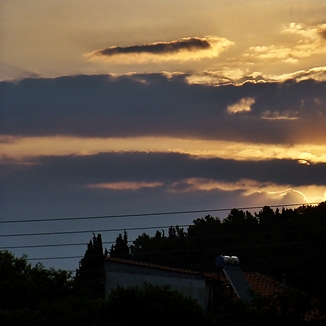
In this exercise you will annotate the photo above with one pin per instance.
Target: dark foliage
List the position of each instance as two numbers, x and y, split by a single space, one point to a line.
39 296
150 305
121 248
273 242
91 267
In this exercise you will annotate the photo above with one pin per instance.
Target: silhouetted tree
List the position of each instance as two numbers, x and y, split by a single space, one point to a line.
91 268
35 295
121 248
266 216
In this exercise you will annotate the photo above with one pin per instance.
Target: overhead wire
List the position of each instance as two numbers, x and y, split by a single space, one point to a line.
224 235
145 214
184 250
85 231
202 249
114 229
120 216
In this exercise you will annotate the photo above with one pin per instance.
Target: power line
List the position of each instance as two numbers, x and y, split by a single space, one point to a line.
201 249
224 235
145 214
54 258
121 229
133 229
50 245
186 250
85 231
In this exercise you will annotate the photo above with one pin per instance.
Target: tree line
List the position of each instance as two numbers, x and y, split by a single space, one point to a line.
290 242
272 242
34 295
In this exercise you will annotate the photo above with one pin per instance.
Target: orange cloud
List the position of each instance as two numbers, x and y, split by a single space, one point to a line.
244 105
18 148
276 115
310 41
249 188
238 77
122 185
304 162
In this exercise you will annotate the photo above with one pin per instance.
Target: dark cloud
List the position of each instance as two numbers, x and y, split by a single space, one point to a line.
38 197
157 105
188 44
168 168
57 187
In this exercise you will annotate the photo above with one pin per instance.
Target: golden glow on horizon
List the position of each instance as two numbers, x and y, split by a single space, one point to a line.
248 188
20 148
308 194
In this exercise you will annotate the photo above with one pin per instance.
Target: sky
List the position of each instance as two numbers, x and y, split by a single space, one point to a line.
124 110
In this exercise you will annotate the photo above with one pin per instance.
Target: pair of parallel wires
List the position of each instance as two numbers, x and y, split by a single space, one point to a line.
106 217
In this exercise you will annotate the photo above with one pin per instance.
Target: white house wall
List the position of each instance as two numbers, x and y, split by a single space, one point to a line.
126 276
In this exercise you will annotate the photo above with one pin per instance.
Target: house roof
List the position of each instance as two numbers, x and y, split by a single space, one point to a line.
153 266
259 283
262 284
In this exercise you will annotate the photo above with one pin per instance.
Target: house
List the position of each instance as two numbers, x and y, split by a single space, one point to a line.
133 273
203 287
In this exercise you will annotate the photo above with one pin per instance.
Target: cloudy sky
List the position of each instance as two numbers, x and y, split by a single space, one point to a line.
122 108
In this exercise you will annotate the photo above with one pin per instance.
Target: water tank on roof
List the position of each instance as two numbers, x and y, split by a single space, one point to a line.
232 270
231 260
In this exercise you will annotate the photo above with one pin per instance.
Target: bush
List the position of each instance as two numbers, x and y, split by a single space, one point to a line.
150 305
